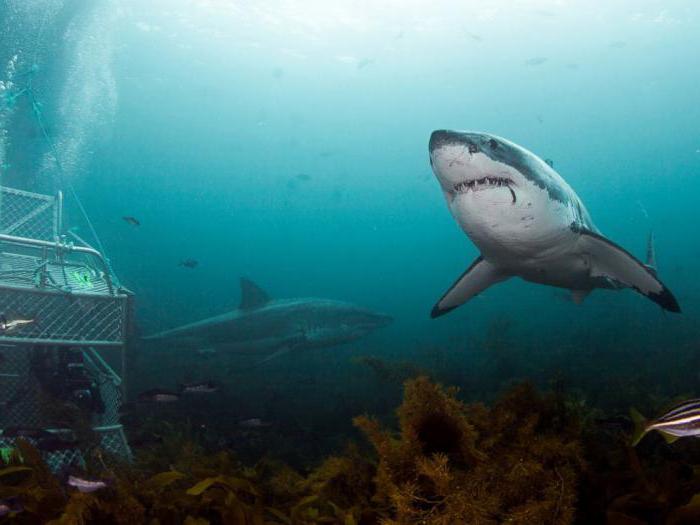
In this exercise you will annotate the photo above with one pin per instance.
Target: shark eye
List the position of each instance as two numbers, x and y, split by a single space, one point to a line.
493 144
473 148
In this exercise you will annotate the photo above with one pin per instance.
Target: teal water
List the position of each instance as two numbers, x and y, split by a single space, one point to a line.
198 118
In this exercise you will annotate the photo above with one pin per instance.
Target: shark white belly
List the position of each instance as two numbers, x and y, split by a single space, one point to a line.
527 222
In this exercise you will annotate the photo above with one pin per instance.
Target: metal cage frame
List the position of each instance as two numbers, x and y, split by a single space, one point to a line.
67 290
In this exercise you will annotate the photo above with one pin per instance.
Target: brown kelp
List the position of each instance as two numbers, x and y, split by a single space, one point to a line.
530 458
450 462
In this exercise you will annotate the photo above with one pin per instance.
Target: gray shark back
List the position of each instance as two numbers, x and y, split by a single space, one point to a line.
263 324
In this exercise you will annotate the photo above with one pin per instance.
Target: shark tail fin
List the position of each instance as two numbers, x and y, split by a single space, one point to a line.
640 426
252 296
614 264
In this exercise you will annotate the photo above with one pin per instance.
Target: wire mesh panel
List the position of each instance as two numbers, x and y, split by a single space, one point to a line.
109 383
31 400
19 389
21 266
63 318
111 440
30 215
57 301
56 460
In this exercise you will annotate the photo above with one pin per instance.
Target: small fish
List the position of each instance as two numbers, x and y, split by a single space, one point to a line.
303 176
549 162
205 351
254 423
683 420
203 387
364 63
189 263
86 485
10 325
131 220
617 44
10 506
535 61
157 395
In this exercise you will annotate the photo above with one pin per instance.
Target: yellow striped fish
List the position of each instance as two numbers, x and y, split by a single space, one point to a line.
683 420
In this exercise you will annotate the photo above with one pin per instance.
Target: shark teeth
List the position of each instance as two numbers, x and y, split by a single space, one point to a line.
485 182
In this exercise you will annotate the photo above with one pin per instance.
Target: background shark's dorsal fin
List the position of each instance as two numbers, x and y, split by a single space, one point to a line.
252 296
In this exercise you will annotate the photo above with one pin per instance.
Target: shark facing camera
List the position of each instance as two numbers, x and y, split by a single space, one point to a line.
528 222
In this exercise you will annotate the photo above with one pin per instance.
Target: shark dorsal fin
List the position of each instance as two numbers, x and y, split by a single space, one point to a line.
252 296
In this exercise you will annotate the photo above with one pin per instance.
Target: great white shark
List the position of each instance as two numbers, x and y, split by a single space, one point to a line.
265 326
527 222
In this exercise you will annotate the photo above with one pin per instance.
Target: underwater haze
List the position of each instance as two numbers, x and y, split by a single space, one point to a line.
286 142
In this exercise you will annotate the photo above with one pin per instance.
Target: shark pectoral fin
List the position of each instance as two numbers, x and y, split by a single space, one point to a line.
577 296
610 261
293 343
479 276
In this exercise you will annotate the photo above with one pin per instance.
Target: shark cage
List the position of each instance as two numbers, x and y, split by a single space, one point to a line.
63 317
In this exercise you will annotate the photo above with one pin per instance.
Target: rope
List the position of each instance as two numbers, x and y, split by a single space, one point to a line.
63 180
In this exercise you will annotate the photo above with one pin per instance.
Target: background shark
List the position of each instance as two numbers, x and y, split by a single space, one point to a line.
527 222
266 326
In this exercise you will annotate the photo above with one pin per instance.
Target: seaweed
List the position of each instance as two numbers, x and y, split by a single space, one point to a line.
528 458
450 462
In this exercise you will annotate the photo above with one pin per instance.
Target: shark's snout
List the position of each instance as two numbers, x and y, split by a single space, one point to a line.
442 137
473 142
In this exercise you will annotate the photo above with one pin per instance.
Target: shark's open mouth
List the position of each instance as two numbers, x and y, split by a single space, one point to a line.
484 183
